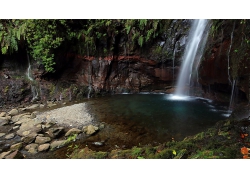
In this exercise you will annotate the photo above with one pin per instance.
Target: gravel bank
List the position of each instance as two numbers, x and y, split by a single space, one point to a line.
75 115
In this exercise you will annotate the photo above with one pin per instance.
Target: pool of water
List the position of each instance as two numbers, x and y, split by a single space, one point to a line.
159 118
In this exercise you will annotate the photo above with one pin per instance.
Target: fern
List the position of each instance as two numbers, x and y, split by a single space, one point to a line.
140 40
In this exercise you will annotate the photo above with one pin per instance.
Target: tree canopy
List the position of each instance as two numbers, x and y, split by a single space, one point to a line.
41 37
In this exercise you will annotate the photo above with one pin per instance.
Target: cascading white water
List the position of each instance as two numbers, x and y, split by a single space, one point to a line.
196 36
232 94
89 80
173 61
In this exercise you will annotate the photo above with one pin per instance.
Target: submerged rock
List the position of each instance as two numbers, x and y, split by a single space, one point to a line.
15 155
2 155
17 146
57 144
90 129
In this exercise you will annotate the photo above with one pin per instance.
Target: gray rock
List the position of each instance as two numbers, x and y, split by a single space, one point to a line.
43 147
32 107
2 114
29 138
49 124
32 148
33 145
19 116
57 144
10 136
17 146
101 126
2 155
6 118
15 127
2 134
4 122
13 112
73 131
23 120
15 155
6 147
90 129
32 151
42 140
55 132
33 115
31 126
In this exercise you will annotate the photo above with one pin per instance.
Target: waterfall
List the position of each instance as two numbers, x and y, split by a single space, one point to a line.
228 60
89 80
195 39
173 60
34 90
232 94
28 73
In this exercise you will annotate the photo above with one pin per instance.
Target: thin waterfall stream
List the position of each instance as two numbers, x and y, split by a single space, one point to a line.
34 89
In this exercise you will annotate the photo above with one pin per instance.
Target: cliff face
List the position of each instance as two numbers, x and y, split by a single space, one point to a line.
129 69
225 65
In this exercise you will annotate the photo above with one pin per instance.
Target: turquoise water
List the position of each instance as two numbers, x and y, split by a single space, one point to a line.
160 115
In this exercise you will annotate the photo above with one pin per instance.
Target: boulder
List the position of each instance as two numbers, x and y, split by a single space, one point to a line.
73 131
10 136
32 148
90 129
29 137
13 112
2 134
23 120
55 132
2 114
19 116
49 124
5 118
43 147
33 145
57 144
2 155
4 122
15 155
17 146
15 127
42 140
29 127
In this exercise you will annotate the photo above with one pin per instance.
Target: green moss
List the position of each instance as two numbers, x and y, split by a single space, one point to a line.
136 152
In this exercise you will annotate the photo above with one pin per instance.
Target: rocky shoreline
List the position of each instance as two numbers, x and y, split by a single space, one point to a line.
28 131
